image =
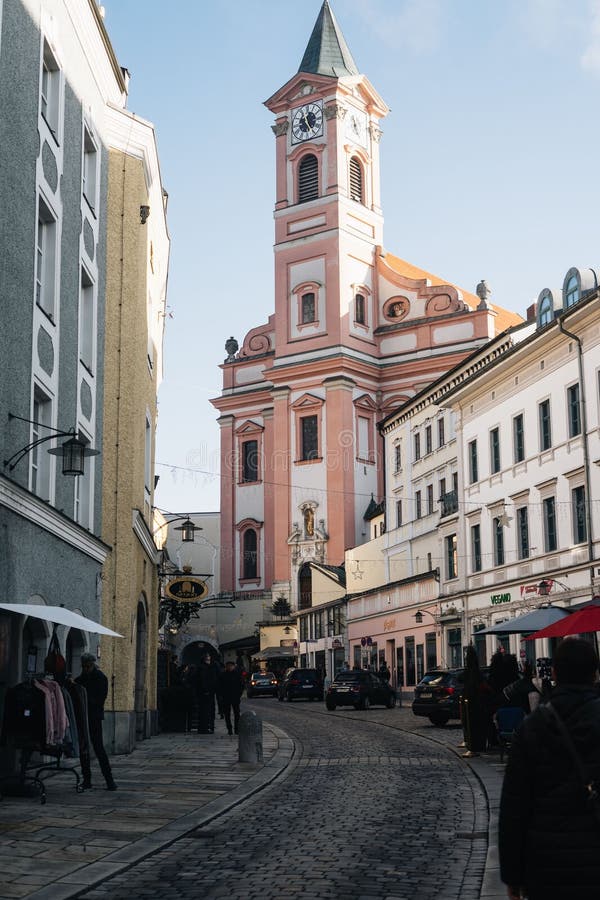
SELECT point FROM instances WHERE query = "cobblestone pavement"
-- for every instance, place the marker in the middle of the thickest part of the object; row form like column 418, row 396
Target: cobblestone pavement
column 368, row 812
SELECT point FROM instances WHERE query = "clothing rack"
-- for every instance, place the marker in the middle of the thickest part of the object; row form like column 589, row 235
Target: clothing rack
column 24, row 784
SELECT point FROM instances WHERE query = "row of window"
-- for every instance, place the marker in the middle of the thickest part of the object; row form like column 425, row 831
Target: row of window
column 308, row 179
column 574, row 424
column 423, row 442
column 425, row 504
column 523, row 546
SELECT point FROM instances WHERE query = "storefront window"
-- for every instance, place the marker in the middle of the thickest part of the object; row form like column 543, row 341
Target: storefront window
column 400, row 666
column 420, row 662
column 455, row 655
column 357, row 650
column 430, row 651
column 409, row 645
column 479, row 644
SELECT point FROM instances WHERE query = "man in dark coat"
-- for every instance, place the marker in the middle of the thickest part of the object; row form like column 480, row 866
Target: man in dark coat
column 549, row 838
column 231, row 685
column 95, row 683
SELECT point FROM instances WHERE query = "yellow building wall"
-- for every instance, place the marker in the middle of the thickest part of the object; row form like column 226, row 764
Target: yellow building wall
column 130, row 387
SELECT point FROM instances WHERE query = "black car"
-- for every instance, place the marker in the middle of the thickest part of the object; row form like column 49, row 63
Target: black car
column 359, row 689
column 438, row 694
column 301, row 683
column 261, row 684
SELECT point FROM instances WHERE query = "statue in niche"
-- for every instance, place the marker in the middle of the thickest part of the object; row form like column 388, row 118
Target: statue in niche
column 309, row 521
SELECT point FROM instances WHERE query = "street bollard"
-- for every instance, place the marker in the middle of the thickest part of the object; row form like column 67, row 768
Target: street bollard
column 250, row 738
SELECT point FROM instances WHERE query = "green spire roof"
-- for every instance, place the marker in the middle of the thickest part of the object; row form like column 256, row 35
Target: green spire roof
column 327, row 52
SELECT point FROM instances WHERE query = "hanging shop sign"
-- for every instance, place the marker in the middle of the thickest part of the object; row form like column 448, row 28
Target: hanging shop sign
column 186, row 590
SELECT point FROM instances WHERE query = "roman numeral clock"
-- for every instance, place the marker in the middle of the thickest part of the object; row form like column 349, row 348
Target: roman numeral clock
column 307, row 122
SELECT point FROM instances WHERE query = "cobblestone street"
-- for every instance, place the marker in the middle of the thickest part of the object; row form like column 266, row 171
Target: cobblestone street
column 365, row 811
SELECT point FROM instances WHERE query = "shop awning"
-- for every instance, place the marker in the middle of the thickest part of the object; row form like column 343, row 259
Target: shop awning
column 276, row 653
column 532, row 621
column 60, row 616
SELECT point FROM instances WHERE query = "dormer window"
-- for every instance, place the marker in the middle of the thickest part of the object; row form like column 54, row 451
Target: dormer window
column 356, row 180
column 308, row 178
column 545, row 310
column 571, row 291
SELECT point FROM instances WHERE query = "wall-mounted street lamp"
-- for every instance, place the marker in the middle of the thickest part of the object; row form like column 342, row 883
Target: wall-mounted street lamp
column 73, row 451
column 188, row 529
column 545, row 586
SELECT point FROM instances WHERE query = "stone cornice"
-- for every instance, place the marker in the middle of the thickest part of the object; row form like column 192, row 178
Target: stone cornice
column 142, row 532
column 30, row 507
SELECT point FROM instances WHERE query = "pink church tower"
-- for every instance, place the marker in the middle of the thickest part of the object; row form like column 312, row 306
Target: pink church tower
column 355, row 332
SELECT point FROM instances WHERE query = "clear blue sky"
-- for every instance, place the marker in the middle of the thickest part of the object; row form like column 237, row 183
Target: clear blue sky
column 489, row 163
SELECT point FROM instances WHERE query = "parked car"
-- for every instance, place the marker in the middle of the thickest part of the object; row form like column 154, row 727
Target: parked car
column 262, row 684
column 437, row 695
column 300, row 683
column 359, row 689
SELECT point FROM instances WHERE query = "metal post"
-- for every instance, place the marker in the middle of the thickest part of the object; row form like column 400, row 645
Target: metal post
column 250, row 744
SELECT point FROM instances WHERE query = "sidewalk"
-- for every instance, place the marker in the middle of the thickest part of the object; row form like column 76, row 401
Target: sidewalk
column 169, row 785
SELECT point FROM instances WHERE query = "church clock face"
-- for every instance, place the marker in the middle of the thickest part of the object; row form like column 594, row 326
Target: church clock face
column 307, row 122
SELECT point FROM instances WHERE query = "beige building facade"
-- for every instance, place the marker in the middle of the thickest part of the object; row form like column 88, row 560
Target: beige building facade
column 137, row 268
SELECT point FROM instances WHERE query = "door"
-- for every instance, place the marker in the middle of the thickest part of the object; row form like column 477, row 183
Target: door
column 141, row 647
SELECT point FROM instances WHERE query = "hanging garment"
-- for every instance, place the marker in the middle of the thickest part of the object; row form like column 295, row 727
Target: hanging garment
column 71, row 741
column 42, row 687
column 78, row 696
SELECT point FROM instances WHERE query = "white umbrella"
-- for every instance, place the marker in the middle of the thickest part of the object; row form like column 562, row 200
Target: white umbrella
column 60, row 616
column 533, row 621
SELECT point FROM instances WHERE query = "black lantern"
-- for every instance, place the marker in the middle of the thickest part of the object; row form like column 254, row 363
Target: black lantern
column 419, row 617
column 544, row 588
column 73, row 451
column 188, row 530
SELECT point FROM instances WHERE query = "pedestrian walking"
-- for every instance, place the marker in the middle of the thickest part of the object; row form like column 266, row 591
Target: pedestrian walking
column 549, row 828
column 231, row 686
column 384, row 673
column 207, row 688
column 95, row 683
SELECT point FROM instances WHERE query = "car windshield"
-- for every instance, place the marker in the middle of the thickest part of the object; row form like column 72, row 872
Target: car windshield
column 348, row 676
column 303, row 672
column 261, row 677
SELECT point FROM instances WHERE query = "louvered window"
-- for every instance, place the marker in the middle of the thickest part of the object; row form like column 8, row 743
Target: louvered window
column 356, row 180
column 308, row 179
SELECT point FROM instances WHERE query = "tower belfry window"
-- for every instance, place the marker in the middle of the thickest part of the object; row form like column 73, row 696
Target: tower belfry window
column 356, row 180
column 308, row 179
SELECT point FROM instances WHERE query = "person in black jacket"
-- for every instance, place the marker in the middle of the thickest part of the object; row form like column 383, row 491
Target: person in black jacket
column 95, row 683
column 549, row 838
column 231, row 685
column 206, row 681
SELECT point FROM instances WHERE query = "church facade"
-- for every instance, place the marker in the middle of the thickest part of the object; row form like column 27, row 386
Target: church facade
column 356, row 331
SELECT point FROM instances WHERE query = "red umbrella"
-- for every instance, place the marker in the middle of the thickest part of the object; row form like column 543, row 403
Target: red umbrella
column 580, row 622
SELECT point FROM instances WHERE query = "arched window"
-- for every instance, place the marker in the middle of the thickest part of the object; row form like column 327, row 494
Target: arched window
column 308, row 178
column 305, row 587
column 356, row 180
column 360, row 309
column 308, row 308
column 545, row 311
column 250, row 562
column 572, row 291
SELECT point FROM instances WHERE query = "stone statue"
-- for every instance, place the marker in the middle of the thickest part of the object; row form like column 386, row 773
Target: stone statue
column 309, row 521
column 231, row 348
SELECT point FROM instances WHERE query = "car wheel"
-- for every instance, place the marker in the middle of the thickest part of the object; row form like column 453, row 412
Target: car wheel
column 365, row 703
column 391, row 702
column 289, row 697
column 330, row 706
column 438, row 718
column 311, row 699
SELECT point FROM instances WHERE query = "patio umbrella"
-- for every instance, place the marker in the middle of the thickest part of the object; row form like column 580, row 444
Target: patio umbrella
column 532, row 621
column 60, row 616
column 580, row 622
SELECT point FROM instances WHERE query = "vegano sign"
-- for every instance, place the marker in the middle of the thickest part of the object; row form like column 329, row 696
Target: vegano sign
column 495, row 599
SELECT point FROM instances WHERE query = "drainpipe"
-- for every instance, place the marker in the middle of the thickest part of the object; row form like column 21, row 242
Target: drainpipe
column 586, row 450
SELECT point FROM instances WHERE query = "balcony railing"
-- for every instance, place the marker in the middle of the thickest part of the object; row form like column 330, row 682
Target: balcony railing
column 449, row 503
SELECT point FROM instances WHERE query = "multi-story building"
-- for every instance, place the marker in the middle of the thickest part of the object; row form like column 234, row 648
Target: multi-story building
column 136, row 284
column 518, row 526
column 83, row 290
column 355, row 332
